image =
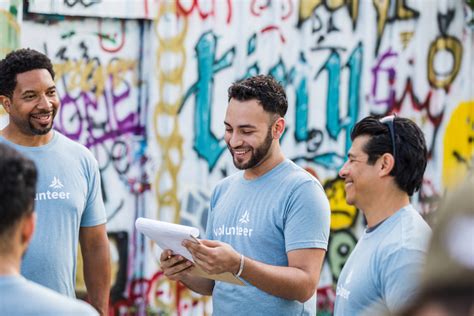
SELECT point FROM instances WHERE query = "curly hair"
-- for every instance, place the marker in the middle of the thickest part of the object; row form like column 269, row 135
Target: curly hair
column 18, row 177
column 265, row 89
column 410, row 145
column 17, row 62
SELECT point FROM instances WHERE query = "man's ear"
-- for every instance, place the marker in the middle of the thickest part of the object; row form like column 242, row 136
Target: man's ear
column 387, row 163
column 28, row 223
column 6, row 103
column 278, row 128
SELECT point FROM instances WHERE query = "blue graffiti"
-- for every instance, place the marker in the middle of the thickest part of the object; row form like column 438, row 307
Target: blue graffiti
column 301, row 106
column 206, row 144
column 335, row 124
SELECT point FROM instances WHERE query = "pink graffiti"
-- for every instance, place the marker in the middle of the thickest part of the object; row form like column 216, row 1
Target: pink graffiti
column 185, row 8
column 326, row 298
column 117, row 44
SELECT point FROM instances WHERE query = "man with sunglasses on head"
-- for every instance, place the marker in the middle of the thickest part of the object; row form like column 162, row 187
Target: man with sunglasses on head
column 385, row 167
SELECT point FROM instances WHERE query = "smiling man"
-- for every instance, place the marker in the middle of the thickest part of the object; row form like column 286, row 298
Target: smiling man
column 385, row 167
column 268, row 224
column 68, row 199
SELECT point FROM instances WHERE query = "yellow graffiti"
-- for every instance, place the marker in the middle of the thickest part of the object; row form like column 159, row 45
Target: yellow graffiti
column 405, row 38
column 382, row 8
column 403, row 12
column 10, row 30
column 453, row 46
column 170, row 144
column 307, row 8
column 343, row 215
column 458, row 155
column 91, row 76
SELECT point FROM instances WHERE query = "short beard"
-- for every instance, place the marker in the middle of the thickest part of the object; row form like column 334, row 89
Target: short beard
column 43, row 131
column 258, row 153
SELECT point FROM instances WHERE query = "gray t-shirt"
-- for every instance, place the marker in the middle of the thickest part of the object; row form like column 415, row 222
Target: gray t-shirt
column 265, row 218
column 67, row 197
column 20, row 297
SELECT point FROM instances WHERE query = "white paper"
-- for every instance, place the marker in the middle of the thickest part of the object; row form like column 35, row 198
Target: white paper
column 167, row 235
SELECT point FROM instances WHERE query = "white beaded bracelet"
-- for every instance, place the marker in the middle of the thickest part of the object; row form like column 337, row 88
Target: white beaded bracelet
column 241, row 268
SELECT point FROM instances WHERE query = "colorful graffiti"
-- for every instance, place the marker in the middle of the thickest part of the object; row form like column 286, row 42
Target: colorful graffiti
column 10, row 25
column 147, row 95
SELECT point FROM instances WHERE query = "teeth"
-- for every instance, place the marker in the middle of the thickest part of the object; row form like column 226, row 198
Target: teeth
column 41, row 116
column 240, row 152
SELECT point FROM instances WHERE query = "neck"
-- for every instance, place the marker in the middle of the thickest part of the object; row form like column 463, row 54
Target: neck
column 9, row 265
column 274, row 158
column 16, row 136
column 387, row 203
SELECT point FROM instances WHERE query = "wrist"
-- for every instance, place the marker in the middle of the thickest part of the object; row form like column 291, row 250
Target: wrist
column 241, row 265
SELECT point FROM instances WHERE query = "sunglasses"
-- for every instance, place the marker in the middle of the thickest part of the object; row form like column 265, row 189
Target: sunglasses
column 388, row 120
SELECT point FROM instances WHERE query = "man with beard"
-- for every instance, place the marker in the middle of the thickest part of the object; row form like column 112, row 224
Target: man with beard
column 68, row 198
column 18, row 176
column 268, row 224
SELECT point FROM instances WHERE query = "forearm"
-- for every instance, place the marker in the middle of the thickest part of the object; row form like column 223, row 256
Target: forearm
column 290, row 283
column 97, row 277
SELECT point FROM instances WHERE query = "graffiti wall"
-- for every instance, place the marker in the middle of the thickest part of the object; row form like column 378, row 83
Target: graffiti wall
column 146, row 93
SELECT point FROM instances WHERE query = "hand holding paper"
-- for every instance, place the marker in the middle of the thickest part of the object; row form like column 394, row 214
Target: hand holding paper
column 171, row 236
column 167, row 235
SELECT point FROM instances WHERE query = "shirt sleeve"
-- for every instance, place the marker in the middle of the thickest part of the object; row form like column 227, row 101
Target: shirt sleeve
column 94, row 212
column 307, row 220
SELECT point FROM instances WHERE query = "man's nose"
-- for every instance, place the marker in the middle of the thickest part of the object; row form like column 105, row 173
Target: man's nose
column 343, row 170
column 44, row 102
column 235, row 140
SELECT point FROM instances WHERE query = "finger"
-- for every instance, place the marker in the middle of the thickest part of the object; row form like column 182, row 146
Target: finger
column 210, row 243
column 178, row 268
column 165, row 255
column 194, row 247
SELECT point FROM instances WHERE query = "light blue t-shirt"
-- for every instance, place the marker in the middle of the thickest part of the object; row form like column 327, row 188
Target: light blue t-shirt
column 68, row 196
column 264, row 219
column 382, row 273
column 20, row 297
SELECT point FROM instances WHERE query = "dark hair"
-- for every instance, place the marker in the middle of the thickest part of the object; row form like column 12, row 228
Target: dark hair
column 265, row 89
column 20, row 61
column 411, row 153
column 17, row 187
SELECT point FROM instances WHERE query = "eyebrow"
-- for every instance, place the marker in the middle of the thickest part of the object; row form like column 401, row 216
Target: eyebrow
column 241, row 126
column 28, row 91
column 34, row 91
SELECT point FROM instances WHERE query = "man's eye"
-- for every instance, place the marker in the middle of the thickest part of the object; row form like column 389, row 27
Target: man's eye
column 29, row 97
column 52, row 93
column 247, row 132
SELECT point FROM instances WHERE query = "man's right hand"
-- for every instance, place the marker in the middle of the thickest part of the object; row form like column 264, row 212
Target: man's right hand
column 175, row 267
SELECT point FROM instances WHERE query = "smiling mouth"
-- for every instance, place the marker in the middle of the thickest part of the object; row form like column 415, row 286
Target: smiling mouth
column 240, row 152
column 42, row 118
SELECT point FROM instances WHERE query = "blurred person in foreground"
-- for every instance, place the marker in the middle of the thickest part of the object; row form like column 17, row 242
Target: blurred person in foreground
column 68, row 198
column 19, row 296
column 385, row 167
column 268, row 224
column 448, row 277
